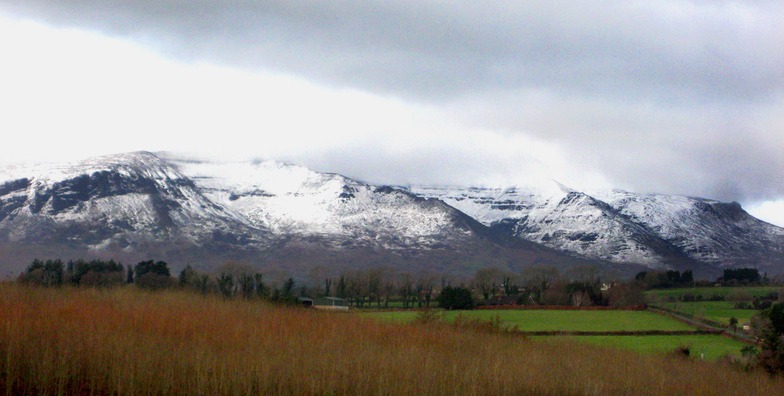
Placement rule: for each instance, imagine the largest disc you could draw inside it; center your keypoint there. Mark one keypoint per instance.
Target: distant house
(334, 303)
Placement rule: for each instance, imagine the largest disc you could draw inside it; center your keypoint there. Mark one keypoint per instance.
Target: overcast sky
(676, 97)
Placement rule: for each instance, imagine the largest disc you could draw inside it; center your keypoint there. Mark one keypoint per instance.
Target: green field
(717, 311)
(709, 347)
(661, 295)
(545, 320)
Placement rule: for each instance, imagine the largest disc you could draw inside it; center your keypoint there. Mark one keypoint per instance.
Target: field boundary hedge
(620, 333)
(566, 307)
(704, 324)
(690, 316)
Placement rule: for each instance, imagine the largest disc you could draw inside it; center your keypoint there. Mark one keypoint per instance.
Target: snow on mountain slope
(123, 199)
(489, 205)
(273, 216)
(706, 230)
(652, 230)
(561, 218)
(289, 199)
(126, 200)
(289, 213)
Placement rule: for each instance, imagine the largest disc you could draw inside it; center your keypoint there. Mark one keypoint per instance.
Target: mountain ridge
(272, 215)
(284, 215)
(639, 228)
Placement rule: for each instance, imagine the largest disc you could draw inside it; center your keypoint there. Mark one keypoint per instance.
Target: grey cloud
(431, 166)
(727, 152)
(666, 51)
(625, 86)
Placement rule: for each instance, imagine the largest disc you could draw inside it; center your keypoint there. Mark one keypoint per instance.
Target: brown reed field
(131, 342)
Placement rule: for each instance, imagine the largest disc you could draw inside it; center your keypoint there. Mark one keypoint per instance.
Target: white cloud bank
(71, 94)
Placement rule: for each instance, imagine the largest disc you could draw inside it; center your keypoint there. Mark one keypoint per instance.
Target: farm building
(330, 303)
(306, 302)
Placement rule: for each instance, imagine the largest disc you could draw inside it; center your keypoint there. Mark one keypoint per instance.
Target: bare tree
(226, 284)
(357, 287)
(510, 284)
(539, 278)
(580, 298)
(425, 284)
(374, 278)
(487, 281)
(406, 288)
(388, 288)
(582, 273)
(247, 284)
(234, 276)
(341, 289)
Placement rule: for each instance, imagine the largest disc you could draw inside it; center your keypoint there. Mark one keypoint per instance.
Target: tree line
(673, 278)
(377, 287)
(229, 281)
(547, 285)
(96, 273)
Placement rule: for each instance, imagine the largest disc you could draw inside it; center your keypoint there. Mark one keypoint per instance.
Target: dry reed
(126, 341)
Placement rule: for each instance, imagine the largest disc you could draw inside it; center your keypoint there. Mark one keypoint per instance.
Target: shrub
(159, 268)
(428, 316)
(733, 323)
(762, 303)
(768, 327)
(455, 298)
(626, 294)
(493, 325)
(682, 351)
(153, 275)
(739, 295)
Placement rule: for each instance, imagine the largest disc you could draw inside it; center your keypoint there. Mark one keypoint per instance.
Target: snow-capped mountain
(124, 200)
(277, 215)
(272, 214)
(705, 230)
(622, 227)
(292, 200)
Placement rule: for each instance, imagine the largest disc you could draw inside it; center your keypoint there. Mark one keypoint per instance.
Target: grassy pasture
(544, 320)
(127, 341)
(717, 311)
(711, 347)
